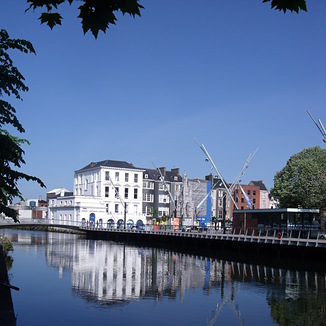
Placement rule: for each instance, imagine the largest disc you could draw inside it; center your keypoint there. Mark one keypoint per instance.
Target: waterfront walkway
(273, 237)
(303, 249)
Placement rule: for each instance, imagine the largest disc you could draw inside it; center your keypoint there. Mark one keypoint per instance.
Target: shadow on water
(7, 314)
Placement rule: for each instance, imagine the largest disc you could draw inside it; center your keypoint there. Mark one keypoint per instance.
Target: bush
(7, 246)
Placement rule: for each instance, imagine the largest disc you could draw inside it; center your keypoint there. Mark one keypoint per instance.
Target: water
(65, 279)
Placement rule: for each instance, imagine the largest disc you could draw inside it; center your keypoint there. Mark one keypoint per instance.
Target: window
(86, 184)
(107, 208)
(254, 192)
(149, 210)
(254, 201)
(248, 192)
(148, 185)
(163, 199)
(116, 192)
(136, 178)
(146, 176)
(126, 192)
(148, 197)
(126, 177)
(117, 176)
(135, 193)
(242, 200)
(107, 175)
(107, 191)
(163, 187)
(116, 208)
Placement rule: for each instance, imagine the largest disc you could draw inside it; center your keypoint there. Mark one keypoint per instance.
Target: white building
(105, 194)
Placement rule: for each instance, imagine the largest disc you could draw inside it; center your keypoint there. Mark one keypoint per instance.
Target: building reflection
(110, 272)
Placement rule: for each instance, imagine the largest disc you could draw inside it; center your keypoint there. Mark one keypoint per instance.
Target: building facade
(106, 194)
(161, 189)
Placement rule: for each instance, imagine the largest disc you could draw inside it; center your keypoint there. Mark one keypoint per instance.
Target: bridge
(272, 244)
(270, 237)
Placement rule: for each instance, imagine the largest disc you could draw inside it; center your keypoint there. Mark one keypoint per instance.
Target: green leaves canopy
(302, 182)
(292, 5)
(11, 152)
(95, 15)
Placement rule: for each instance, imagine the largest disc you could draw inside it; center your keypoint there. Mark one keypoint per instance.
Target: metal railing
(294, 237)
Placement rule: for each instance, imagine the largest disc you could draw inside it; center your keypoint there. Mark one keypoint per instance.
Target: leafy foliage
(302, 182)
(95, 15)
(292, 5)
(11, 152)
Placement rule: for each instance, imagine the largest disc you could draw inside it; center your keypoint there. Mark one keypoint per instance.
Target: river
(65, 279)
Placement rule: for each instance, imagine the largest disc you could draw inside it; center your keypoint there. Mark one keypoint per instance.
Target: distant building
(30, 209)
(263, 194)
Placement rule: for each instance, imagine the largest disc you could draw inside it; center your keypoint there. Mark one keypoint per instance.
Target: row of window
(242, 200)
(118, 208)
(117, 193)
(117, 176)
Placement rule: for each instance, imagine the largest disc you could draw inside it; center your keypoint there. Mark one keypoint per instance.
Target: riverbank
(303, 258)
(7, 314)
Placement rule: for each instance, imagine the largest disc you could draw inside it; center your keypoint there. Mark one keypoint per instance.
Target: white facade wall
(95, 198)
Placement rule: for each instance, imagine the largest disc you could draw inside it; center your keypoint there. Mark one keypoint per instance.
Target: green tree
(302, 182)
(96, 15)
(11, 152)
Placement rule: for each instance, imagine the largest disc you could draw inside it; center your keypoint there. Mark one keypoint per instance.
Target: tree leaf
(51, 19)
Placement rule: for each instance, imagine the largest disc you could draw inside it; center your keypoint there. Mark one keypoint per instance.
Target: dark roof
(66, 194)
(153, 174)
(259, 183)
(111, 164)
(218, 184)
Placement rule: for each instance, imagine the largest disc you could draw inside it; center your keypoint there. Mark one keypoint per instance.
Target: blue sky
(234, 75)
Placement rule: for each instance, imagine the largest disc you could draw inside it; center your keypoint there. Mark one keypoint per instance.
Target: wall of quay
(267, 254)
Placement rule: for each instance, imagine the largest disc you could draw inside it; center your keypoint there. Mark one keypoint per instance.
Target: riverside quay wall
(271, 251)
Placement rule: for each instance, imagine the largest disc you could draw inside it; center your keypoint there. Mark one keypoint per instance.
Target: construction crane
(241, 173)
(320, 126)
(208, 158)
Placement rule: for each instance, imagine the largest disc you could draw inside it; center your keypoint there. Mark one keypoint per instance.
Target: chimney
(163, 171)
(175, 170)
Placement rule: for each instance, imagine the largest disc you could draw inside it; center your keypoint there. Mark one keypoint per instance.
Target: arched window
(120, 224)
(92, 220)
(130, 224)
(110, 223)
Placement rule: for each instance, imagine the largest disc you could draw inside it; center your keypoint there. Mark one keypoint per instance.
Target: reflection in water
(109, 273)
